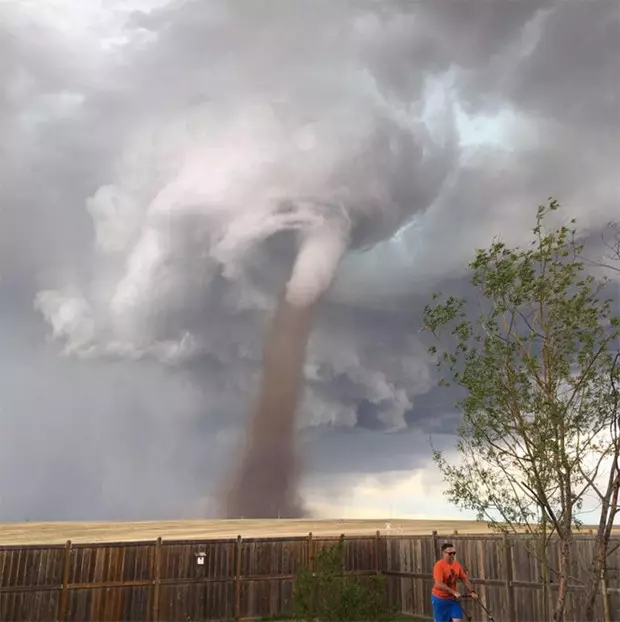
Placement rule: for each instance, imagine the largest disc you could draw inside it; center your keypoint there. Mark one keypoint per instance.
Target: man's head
(448, 552)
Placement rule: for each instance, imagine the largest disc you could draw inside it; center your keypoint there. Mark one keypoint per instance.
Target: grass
(123, 531)
(399, 617)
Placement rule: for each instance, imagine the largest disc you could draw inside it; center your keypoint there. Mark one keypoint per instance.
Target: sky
(157, 159)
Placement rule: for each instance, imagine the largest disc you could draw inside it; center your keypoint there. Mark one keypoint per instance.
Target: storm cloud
(158, 160)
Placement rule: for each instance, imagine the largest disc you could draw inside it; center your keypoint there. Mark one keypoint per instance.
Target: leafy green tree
(538, 364)
(327, 594)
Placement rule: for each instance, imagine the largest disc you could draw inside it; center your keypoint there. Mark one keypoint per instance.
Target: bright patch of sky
(96, 23)
(417, 494)
(486, 130)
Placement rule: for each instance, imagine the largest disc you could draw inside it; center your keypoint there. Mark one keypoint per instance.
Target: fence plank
(238, 578)
(61, 614)
(512, 614)
(435, 544)
(482, 573)
(157, 581)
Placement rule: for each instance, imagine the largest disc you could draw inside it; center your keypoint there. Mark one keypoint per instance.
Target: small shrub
(330, 596)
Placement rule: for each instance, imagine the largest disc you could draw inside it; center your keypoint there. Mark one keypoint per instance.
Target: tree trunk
(599, 559)
(544, 564)
(560, 603)
(609, 511)
(592, 587)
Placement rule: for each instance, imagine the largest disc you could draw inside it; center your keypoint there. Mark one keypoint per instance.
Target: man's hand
(473, 595)
(457, 595)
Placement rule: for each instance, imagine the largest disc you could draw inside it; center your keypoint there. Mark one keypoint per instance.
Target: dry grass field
(93, 532)
(85, 532)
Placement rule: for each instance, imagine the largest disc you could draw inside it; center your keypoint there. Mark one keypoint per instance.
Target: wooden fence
(507, 575)
(252, 578)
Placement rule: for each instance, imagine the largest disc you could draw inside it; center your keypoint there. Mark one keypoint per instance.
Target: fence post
(435, 545)
(156, 579)
(509, 579)
(482, 571)
(309, 554)
(238, 578)
(64, 591)
(378, 551)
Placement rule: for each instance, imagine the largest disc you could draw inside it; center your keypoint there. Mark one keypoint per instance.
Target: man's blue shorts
(446, 609)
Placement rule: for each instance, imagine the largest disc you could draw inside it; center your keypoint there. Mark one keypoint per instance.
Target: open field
(93, 532)
(85, 532)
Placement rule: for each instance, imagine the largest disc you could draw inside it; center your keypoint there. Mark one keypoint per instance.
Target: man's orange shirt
(448, 574)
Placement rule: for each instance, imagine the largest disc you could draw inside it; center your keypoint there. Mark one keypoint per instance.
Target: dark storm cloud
(362, 452)
(553, 75)
(92, 133)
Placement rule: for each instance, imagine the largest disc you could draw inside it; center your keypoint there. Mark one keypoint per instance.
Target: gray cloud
(103, 440)
(456, 118)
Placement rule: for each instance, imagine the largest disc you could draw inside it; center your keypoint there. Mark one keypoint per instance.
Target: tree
(611, 241)
(610, 238)
(539, 369)
(328, 595)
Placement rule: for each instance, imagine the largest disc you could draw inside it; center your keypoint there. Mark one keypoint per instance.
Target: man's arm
(468, 584)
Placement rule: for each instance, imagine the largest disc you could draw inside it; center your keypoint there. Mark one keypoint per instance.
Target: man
(445, 597)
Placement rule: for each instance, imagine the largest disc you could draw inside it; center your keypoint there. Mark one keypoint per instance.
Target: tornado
(266, 482)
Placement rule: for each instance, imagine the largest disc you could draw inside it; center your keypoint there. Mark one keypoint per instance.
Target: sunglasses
(451, 553)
